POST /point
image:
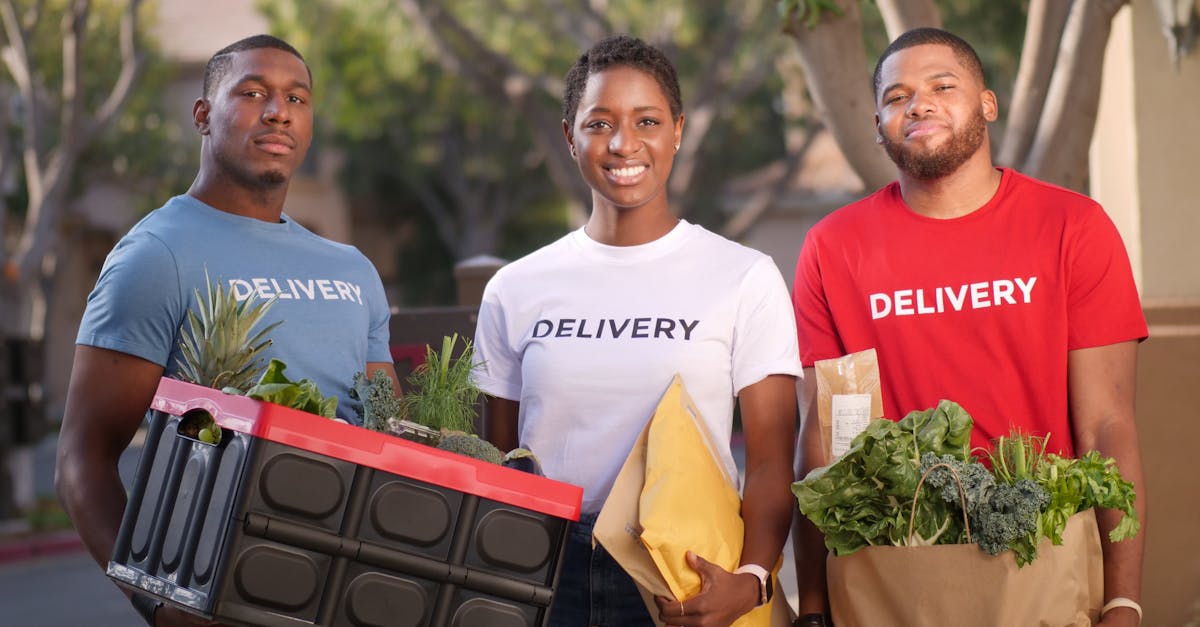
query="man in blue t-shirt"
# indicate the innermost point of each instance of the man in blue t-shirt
(255, 120)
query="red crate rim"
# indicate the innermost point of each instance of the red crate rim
(370, 448)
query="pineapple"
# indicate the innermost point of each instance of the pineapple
(221, 348)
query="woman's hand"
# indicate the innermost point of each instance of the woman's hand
(723, 597)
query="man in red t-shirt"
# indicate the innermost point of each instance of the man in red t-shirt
(976, 284)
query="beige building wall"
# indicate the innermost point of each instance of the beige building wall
(1145, 161)
(1146, 172)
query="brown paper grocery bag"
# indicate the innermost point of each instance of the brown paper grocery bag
(958, 584)
(619, 528)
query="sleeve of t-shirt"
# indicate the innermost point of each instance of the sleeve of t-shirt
(765, 330)
(137, 305)
(499, 365)
(379, 335)
(1102, 302)
(815, 330)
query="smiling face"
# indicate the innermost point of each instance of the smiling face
(932, 111)
(624, 139)
(257, 123)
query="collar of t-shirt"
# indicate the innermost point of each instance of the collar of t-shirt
(660, 247)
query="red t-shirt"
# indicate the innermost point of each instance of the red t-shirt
(981, 309)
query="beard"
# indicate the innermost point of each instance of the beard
(262, 181)
(929, 164)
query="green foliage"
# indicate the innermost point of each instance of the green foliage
(442, 391)
(379, 402)
(219, 345)
(275, 387)
(865, 497)
(149, 148)
(471, 446)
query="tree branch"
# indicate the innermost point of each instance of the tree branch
(765, 198)
(132, 62)
(900, 16)
(1060, 150)
(16, 58)
(1043, 31)
(499, 76)
(833, 57)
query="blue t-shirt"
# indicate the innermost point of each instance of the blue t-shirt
(329, 295)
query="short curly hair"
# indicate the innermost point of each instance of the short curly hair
(922, 36)
(621, 51)
(222, 60)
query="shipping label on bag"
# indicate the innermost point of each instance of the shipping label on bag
(849, 396)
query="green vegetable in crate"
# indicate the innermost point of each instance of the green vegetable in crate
(441, 392)
(274, 387)
(379, 401)
(471, 446)
(221, 346)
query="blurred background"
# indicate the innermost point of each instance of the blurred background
(439, 153)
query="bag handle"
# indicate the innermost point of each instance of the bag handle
(962, 495)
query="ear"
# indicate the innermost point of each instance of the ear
(991, 108)
(200, 111)
(569, 134)
(678, 131)
(878, 130)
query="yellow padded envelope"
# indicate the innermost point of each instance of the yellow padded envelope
(689, 502)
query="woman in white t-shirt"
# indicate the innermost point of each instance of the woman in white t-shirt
(578, 341)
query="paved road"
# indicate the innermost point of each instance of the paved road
(63, 591)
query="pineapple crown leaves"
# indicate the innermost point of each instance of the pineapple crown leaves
(219, 345)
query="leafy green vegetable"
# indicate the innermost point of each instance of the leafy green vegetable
(274, 387)
(471, 446)
(865, 497)
(442, 392)
(379, 401)
(1089, 481)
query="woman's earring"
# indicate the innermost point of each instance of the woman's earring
(878, 139)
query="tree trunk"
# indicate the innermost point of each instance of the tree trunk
(900, 16)
(833, 57)
(1060, 150)
(1043, 31)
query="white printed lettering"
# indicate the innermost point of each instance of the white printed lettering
(1002, 290)
(241, 289)
(279, 291)
(903, 300)
(327, 291)
(303, 287)
(957, 299)
(262, 289)
(881, 306)
(1026, 288)
(922, 308)
(979, 296)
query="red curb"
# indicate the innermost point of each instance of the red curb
(36, 546)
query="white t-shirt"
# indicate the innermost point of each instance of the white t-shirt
(587, 337)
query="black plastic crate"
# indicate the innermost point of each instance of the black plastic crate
(294, 519)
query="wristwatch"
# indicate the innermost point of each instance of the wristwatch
(766, 585)
(810, 620)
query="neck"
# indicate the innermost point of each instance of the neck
(230, 196)
(629, 227)
(957, 194)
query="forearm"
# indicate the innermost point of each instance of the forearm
(1122, 560)
(808, 543)
(767, 505)
(93, 496)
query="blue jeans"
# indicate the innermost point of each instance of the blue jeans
(593, 590)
